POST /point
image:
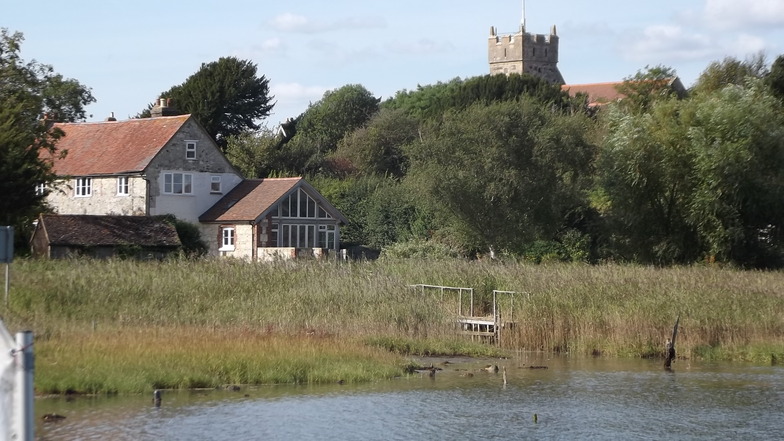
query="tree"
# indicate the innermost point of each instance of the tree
(648, 86)
(645, 178)
(730, 71)
(698, 177)
(377, 148)
(225, 96)
(432, 101)
(28, 91)
(776, 77)
(738, 207)
(255, 154)
(502, 175)
(325, 123)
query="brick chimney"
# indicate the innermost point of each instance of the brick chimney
(163, 108)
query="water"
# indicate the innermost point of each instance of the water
(574, 398)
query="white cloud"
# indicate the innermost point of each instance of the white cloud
(736, 14)
(272, 45)
(667, 43)
(289, 22)
(745, 45)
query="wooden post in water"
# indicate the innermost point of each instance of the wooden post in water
(669, 347)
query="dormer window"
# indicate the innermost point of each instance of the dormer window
(190, 149)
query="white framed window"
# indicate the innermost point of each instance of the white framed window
(227, 239)
(177, 183)
(40, 189)
(84, 187)
(190, 149)
(122, 186)
(215, 184)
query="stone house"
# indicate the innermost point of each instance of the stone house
(167, 165)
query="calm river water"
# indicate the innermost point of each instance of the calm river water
(573, 398)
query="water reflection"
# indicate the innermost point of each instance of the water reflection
(574, 398)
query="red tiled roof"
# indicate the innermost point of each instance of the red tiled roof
(249, 200)
(604, 93)
(113, 147)
(87, 230)
(598, 93)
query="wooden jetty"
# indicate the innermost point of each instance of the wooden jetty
(485, 329)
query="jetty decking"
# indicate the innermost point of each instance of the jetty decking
(485, 329)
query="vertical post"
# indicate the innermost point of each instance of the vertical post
(7, 281)
(7, 254)
(23, 392)
(497, 329)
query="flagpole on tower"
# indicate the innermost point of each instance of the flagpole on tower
(523, 20)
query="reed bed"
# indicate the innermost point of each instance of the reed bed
(122, 325)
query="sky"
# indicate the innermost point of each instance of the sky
(128, 52)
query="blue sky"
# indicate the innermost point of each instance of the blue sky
(129, 52)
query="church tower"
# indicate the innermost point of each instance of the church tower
(521, 52)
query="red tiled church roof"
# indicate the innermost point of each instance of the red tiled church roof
(113, 147)
(598, 93)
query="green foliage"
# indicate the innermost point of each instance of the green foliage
(27, 91)
(256, 155)
(225, 96)
(503, 174)
(730, 71)
(432, 101)
(738, 208)
(648, 86)
(776, 77)
(325, 123)
(645, 170)
(698, 177)
(190, 236)
(377, 148)
(380, 210)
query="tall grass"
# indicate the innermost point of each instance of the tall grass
(197, 314)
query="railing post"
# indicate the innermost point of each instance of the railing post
(23, 392)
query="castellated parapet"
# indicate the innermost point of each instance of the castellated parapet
(522, 52)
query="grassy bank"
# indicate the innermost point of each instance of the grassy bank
(126, 326)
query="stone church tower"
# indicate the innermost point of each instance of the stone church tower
(521, 52)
